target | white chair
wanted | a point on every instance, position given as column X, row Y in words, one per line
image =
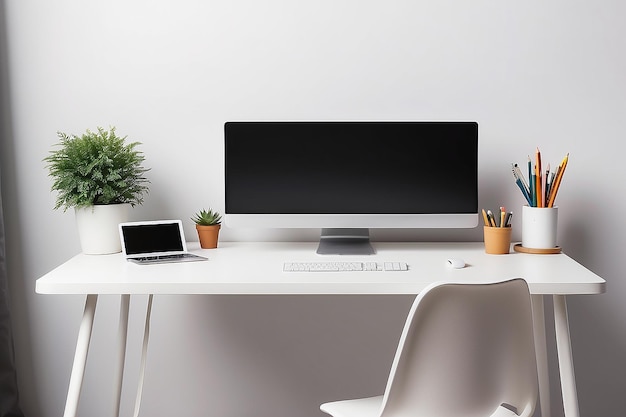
column 467, row 350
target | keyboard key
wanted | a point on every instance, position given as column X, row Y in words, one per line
column 343, row 266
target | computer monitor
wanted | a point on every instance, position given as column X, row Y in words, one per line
column 348, row 177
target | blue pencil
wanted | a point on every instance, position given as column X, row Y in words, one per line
column 531, row 181
column 521, row 187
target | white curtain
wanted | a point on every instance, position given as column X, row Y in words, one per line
column 9, row 399
column 9, row 406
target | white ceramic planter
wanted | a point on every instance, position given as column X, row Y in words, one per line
column 98, row 227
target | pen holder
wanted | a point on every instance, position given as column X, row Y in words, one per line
column 539, row 227
column 497, row 240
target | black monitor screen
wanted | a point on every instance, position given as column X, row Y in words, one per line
column 351, row 167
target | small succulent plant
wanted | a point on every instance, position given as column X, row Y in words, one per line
column 207, row 217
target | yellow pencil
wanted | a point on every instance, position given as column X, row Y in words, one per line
column 538, row 175
column 557, row 180
column 485, row 219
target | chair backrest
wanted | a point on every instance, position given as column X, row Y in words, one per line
column 466, row 350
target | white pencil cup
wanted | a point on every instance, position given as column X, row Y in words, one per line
column 539, row 225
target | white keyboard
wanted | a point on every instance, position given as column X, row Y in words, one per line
column 343, row 266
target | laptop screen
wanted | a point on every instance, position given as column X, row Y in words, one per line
column 150, row 238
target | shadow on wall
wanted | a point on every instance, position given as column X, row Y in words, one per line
column 598, row 349
column 303, row 350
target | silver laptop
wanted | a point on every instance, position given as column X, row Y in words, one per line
column 157, row 241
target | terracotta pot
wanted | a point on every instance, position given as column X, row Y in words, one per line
column 208, row 235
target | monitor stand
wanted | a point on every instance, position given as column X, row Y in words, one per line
column 345, row 242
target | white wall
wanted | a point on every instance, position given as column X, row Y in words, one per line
column 168, row 74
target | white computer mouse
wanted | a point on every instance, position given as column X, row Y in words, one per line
column 456, row 263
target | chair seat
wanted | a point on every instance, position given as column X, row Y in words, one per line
column 362, row 407
column 371, row 407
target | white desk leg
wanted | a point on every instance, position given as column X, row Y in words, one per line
column 144, row 353
column 541, row 351
column 80, row 356
column 566, row 360
column 122, row 338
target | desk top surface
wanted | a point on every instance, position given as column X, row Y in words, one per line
column 256, row 268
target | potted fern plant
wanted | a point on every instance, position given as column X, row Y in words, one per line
column 208, row 224
column 100, row 176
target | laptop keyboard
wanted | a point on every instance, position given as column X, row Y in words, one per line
column 179, row 257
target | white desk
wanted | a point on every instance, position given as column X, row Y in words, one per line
column 256, row 268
